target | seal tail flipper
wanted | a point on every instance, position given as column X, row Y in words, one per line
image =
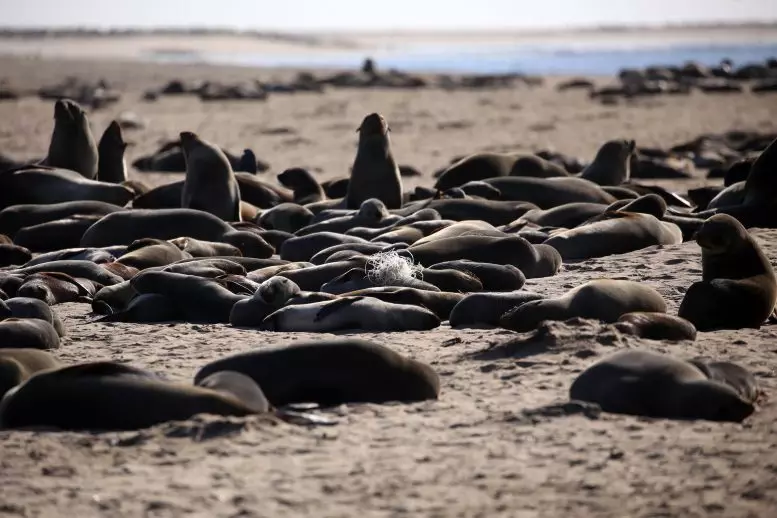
column 333, row 306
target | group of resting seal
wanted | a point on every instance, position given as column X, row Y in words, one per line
column 227, row 247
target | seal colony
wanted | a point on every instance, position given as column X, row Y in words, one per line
column 227, row 253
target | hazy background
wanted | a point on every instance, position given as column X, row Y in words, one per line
column 375, row 15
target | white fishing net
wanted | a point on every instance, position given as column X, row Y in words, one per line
column 390, row 268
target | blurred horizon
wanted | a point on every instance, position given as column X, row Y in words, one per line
column 398, row 15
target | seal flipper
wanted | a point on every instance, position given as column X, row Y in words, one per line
column 248, row 162
column 333, row 306
column 242, row 387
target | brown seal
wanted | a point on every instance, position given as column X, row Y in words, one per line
column 112, row 167
column 72, row 144
column 210, row 184
column 306, row 189
column 17, row 365
column 375, row 173
column 611, row 165
column 738, row 287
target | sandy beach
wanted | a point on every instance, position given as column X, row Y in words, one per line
column 481, row 449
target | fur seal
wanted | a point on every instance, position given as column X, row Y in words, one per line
column 438, row 302
column 54, row 288
column 332, row 372
column 271, row 295
column 198, row 300
column 303, row 248
column 547, row 193
column 110, row 396
column 372, row 213
column 358, row 279
column 210, row 184
column 72, row 144
column 16, row 217
column 731, row 374
column 347, row 313
column 40, row 185
column 760, row 187
column 375, row 173
column 197, row 248
column 611, row 165
column 617, row 233
column 261, row 193
column 486, row 308
column 482, row 166
column 494, row 212
column 28, row 333
column 122, row 228
column 645, row 383
column 306, row 189
column 23, row 307
column 494, row 277
column 288, row 217
column 13, row 255
column 568, row 215
column 738, row 287
column 313, row 278
column 602, row 299
column 657, row 326
column 17, row 365
column 146, row 308
column 75, row 268
column 361, row 248
column 147, row 253
column 533, row 260
column 61, row 234
column 112, row 167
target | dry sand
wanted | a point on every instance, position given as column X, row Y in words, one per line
column 479, row 450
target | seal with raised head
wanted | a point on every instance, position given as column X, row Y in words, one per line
column 738, row 287
column 375, row 173
column 645, row 383
column 611, row 165
column 332, row 372
column 112, row 167
column 347, row 313
column 271, row 295
column 111, row 396
column 210, row 183
column 602, row 299
column 72, row 144
column 306, row 188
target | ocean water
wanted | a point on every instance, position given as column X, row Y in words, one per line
column 569, row 58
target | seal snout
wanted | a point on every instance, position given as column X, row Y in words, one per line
column 374, row 124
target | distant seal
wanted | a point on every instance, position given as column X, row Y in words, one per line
column 441, row 303
column 110, row 396
column 375, row 173
column 486, row 308
column 364, row 313
column 17, row 365
column 45, row 186
column 645, row 383
column 210, row 184
column 271, row 295
column 17, row 217
column 657, row 326
column 481, row 166
column 611, row 165
column 289, row 217
column 28, row 333
column 199, row 300
column 72, row 144
column 112, row 167
column 738, row 287
column 494, row 277
column 306, row 189
column 616, row 233
column 124, row 228
column 332, row 372
column 602, row 299
column 533, row 260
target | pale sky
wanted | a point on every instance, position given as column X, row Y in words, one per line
column 376, row 14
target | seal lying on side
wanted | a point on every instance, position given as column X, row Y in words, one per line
column 362, row 313
column 210, row 184
column 603, row 299
column 657, row 326
column 375, row 173
column 439, row 302
column 738, row 287
column 28, row 333
column 17, row 365
column 611, row 165
column 110, row 396
column 485, row 309
column 649, row 384
column 332, row 372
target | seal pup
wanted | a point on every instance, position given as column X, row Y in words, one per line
column 288, row 217
column 306, row 189
column 645, row 383
column 72, row 144
column 441, row 303
column 738, row 287
column 16, row 217
column 602, row 299
column 657, row 326
column 617, row 233
column 147, row 253
column 332, row 372
column 110, row 396
column 486, row 308
column 375, row 173
column 611, row 165
column 493, row 277
column 18, row 365
column 112, row 167
column 210, row 184
column 350, row 313
column 271, row 295
column 28, row 333
column 372, row 213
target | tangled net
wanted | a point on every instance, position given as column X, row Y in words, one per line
column 391, row 269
